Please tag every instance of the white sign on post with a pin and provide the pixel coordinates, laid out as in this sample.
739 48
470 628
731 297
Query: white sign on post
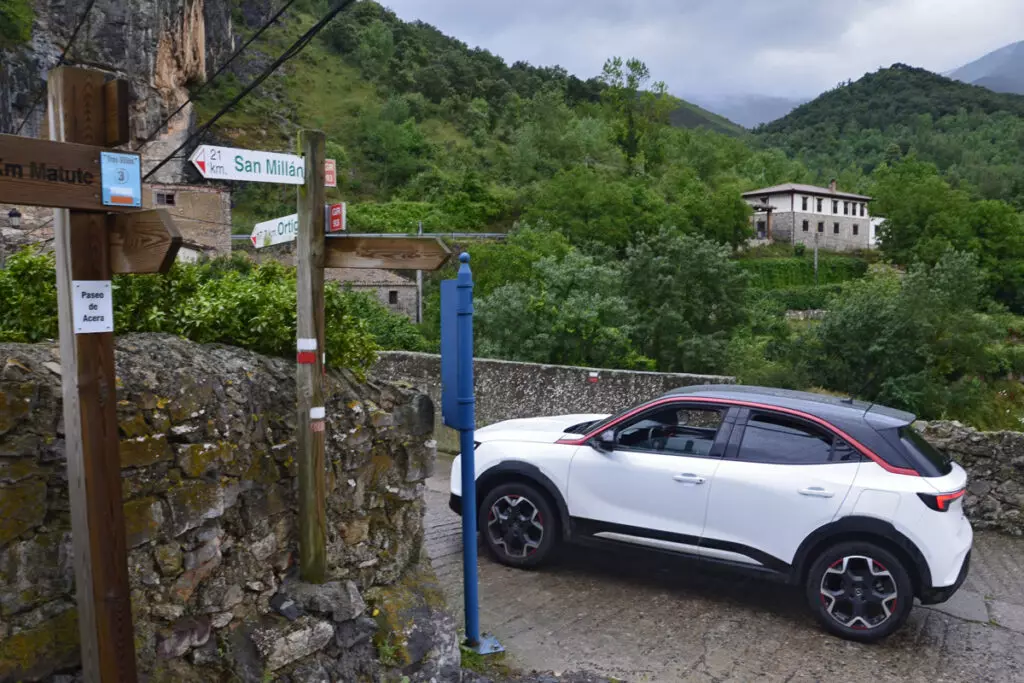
229 163
93 306
269 233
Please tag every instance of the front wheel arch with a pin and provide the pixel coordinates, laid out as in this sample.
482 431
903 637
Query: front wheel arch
515 470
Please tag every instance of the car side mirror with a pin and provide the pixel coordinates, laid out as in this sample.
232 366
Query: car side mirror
605 441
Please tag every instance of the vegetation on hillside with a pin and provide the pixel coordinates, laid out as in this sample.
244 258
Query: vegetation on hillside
15 23
973 135
627 234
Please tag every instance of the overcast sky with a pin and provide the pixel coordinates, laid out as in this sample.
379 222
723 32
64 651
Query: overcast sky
713 47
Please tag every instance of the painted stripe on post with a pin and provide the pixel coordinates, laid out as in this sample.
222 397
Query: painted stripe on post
317 413
306 344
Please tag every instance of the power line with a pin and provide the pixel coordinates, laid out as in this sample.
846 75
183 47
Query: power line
42 88
295 49
223 66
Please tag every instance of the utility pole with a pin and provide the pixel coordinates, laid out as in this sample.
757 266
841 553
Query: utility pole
310 356
419 285
816 259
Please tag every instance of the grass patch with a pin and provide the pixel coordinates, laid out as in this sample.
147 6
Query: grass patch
493 666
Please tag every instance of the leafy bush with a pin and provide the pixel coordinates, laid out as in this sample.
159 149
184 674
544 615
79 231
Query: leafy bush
15 22
776 273
803 298
227 301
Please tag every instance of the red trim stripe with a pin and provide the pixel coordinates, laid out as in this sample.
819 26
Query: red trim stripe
306 357
864 450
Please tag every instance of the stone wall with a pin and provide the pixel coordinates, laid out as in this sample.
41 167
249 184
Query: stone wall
508 389
995 469
208 471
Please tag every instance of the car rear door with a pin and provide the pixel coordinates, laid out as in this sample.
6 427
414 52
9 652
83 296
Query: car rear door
781 478
652 488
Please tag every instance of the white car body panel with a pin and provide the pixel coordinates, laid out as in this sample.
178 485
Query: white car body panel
738 504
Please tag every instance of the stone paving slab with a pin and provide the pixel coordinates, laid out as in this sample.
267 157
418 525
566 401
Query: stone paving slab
646 617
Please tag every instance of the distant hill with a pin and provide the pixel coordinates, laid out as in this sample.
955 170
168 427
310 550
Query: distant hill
749 111
971 133
1001 70
689 115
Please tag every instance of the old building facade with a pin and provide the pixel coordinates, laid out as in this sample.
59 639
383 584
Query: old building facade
803 214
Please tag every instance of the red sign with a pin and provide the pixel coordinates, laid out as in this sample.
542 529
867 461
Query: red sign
337 218
330 173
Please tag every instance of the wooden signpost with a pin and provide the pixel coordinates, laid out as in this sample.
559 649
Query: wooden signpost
97 232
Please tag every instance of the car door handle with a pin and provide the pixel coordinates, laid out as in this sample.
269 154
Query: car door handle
687 478
816 491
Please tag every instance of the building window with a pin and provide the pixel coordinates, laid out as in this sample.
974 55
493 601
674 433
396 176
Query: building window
393 297
761 234
835 228
863 209
165 199
835 206
807 226
803 203
856 229
819 205
846 208
821 226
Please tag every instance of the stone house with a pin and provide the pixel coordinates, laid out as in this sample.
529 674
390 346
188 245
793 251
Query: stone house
201 212
796 213
391 289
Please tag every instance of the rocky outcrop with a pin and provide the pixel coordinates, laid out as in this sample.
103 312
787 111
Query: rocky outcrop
208 471
161 46
995 472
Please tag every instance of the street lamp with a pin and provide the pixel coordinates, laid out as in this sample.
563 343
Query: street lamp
14 217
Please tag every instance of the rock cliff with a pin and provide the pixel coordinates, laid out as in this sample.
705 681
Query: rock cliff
162 46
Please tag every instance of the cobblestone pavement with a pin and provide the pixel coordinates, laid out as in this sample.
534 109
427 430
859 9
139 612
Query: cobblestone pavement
644 617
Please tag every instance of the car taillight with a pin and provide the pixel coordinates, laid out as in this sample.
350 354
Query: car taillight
941 501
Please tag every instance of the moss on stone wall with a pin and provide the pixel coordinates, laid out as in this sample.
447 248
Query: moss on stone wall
53 644
22 507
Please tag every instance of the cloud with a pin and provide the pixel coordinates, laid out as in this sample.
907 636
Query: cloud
712 47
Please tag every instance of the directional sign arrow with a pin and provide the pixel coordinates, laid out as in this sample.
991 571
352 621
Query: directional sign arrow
399 252
231 163
277 231
143 242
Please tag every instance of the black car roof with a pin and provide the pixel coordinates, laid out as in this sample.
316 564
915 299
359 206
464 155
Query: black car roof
831 408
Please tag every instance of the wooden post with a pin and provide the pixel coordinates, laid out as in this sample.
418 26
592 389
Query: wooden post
76 114
309 260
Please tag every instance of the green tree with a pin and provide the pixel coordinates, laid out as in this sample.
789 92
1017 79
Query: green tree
15 23
638 106
572 313
687 296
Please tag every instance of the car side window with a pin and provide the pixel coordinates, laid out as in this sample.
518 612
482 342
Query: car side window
778 439
672 430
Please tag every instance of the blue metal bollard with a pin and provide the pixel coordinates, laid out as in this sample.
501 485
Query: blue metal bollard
465 422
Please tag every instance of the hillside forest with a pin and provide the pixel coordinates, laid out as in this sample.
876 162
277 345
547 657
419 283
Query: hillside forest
626 231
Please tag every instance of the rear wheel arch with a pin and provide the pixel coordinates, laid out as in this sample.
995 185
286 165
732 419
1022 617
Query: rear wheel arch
868 529
515 470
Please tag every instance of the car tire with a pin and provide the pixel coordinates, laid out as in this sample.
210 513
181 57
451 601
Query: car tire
859 591
518 525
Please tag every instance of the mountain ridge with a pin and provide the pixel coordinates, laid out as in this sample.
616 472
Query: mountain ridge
1001 70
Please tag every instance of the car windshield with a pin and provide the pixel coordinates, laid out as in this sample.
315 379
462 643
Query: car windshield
599 425
918 448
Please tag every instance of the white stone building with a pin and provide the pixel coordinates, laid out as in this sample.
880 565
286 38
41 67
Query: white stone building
797 213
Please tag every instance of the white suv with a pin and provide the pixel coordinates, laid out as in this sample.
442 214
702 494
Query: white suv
841 497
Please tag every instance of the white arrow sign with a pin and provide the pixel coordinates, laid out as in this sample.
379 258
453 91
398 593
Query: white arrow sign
269 233
228 163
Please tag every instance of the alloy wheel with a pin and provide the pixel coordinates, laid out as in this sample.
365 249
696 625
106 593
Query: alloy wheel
515 524
858 592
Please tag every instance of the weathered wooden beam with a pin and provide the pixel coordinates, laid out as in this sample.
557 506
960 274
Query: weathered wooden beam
116 96
143 242
76 112
309 261
401 252
50 173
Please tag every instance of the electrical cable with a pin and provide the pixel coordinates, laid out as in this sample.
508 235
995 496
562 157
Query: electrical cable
295 48
42 88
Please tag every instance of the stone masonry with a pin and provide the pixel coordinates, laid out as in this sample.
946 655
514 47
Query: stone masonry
208 473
